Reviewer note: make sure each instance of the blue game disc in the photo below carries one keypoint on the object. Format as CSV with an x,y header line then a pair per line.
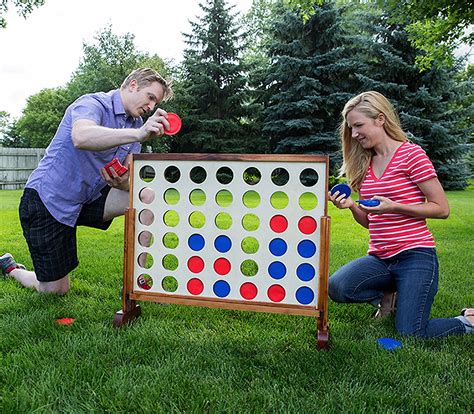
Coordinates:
x,y
343,189
278,247
222,244
389,343
306,248
369,203
221,288
304,295
277,270
196,242
305,272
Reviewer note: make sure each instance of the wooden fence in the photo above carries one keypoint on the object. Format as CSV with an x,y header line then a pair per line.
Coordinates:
x,y
16,165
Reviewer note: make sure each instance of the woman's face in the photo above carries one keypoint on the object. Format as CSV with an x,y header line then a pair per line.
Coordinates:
x,y
368,132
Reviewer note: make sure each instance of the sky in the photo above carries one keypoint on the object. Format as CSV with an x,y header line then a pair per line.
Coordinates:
x,y
43,50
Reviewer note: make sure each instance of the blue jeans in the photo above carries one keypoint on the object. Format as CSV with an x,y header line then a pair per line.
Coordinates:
x,y
413,274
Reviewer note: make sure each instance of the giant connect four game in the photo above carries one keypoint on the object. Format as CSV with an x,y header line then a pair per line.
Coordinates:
x,y
247,232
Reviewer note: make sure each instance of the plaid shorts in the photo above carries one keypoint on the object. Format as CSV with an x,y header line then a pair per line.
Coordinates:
x,y
52,245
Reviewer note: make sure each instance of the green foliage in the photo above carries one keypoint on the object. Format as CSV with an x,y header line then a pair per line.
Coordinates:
x,y
465,105
425,100
305,8
5,123
258,26
435,27
108,61
23,7
312,76
41,117
213,89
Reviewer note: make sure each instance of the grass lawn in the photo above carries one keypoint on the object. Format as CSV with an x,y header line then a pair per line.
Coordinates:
x,y
185,359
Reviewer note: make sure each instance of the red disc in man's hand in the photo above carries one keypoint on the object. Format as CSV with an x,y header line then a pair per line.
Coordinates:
x,y
175,124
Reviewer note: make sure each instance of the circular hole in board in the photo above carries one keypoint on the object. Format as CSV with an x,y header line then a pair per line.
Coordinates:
x,y
146,217
251,199
224,175
171,196
197,197
224,198
252,176
146,195
309,177
147,173
172,174
198,175
280,176
146,239
279,200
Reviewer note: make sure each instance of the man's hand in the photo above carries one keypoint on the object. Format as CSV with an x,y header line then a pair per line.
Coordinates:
x,y
117,181
154,126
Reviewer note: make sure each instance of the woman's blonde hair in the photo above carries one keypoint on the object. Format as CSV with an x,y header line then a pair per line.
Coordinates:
x,y
356,159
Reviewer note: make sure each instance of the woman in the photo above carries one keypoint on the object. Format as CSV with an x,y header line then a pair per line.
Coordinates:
x,y
380,164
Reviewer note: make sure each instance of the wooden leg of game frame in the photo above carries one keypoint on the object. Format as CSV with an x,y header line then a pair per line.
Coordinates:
x,y
125,317
130,310
322,321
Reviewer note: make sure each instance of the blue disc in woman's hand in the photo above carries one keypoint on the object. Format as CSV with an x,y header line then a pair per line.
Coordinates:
x,y
369,203
342,188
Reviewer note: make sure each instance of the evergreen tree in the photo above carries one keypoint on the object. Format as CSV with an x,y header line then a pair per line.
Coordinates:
x,y
312,76
258,23
213,90
425,100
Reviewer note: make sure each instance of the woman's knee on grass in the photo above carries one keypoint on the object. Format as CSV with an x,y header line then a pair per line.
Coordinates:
x,y
337,289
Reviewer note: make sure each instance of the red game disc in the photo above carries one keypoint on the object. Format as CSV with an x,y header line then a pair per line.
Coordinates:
x,y
195,264
248,291
276,293
65,321
307,225
116,166
278,224
175,124
195,286
222,266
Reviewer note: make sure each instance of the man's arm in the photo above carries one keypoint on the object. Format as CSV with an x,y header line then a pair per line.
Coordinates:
x,y
87,135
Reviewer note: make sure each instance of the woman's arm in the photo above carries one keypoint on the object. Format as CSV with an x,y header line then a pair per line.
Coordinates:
x,y
436,205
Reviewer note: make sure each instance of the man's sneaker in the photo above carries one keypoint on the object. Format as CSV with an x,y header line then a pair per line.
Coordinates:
x,y
7,264
388,305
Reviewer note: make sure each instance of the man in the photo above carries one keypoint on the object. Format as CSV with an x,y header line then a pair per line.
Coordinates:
x,y
70,186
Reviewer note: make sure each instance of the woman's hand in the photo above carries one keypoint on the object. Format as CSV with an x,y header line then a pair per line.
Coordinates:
x,y
340,201
386,206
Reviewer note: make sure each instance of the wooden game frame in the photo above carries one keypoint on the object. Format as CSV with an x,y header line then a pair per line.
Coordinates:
x,y
131,310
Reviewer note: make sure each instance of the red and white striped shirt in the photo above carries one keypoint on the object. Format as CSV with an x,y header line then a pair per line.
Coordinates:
x,y
392,233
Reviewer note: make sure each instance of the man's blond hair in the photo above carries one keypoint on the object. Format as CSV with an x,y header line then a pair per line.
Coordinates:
x,y
145,77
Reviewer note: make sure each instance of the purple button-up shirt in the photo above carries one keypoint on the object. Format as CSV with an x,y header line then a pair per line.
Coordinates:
x,y
67,177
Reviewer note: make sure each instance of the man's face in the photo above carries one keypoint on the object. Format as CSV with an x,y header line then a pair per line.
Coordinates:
x,y
137,101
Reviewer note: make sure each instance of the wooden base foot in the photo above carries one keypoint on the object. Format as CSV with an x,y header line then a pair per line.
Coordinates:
x,y
122,318
323,339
